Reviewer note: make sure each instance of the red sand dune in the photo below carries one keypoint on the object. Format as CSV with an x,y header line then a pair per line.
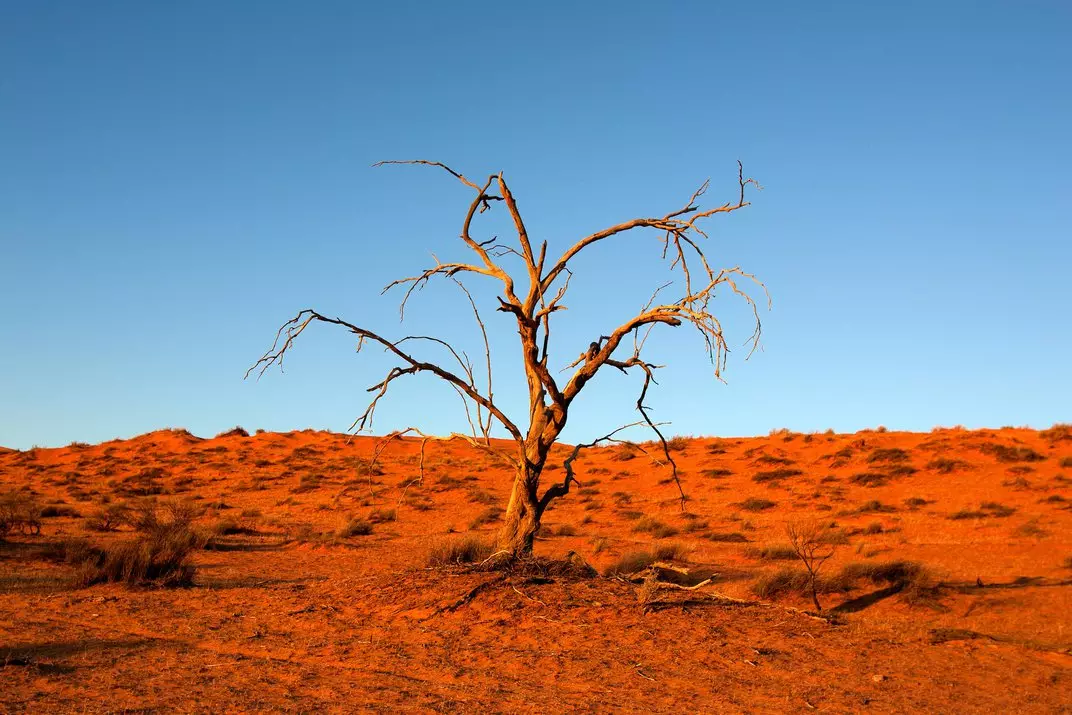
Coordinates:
x,y
286,613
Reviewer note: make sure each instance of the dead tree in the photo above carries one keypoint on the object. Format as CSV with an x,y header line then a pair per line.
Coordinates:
x,y
813,547
532,296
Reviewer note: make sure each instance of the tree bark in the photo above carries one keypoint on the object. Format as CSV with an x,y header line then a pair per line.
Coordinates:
x,y
522,518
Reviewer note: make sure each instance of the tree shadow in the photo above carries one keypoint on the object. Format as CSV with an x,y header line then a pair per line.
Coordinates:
x,y
868,599
42,656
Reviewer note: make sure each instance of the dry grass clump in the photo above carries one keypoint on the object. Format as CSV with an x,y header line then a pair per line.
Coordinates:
x,y
870,479
892,455
19,511
677,444
108,518
488,516
773,475
634,561
158,556
463,550
734,537
944,465
1058,432
1066,463
986,509
772,552
655,527
355,527
715,473
787,580
381,516
1004,453
877,507
757,504
236,431
59,510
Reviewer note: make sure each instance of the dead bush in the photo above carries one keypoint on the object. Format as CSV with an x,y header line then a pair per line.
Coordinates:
x,y
20,512
806,538
108,518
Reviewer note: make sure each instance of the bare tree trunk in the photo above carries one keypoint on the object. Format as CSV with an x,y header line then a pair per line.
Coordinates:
x,y
522,518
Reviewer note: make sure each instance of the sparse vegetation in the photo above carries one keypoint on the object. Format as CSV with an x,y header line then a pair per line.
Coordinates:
x,y
757,504
1005,453
159,555
775,475
19,511
806,539
457,551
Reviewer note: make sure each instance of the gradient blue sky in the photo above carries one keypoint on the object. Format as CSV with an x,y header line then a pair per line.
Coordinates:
x,y
177,179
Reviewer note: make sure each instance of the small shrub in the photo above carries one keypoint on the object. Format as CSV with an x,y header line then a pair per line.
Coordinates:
x,y
768,459
234,432
967,514
783,581
1004,453
158,556
464,550
355,527
19,511
635,561
892,455
773,475
715,473
996,509
916,502
1031,529
655,527
1057,433
772,552
870,479
58,510
734,537
677,444
109,518
381,516
565,530
943,465
891,572
875,506
757,504
1066,462
875,527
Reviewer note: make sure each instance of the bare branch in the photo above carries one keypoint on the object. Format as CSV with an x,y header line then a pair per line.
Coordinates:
x,y
296,325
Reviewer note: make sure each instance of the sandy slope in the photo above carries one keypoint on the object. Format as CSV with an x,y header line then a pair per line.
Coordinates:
x,y
291,617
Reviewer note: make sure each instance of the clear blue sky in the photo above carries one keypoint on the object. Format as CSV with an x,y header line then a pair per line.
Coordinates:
x,y
177,179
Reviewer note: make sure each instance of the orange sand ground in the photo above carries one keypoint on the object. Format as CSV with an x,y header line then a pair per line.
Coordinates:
x,y
290,617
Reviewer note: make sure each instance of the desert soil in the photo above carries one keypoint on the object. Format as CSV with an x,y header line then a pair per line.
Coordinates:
x,y
285,614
